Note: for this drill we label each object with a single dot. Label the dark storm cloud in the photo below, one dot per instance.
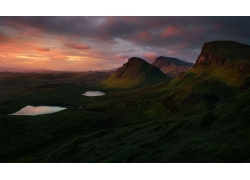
(175, 35)
(129, 27)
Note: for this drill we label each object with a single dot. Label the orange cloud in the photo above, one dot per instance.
(3, 38)
(58, 57)
(42, 49)
(122, 56)
(78, 46)
(31, 56)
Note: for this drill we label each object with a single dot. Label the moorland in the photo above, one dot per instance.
(197, 115)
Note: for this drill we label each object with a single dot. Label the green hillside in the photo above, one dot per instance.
(135, 73)
(228, 61)
(172, 66)
(216, 76)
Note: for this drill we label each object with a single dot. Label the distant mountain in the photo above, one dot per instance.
(25, 70)
(172, 66)
(135, 73)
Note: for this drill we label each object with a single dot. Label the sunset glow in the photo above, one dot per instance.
(102, 43)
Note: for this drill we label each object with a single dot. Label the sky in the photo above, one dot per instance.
(91, 43)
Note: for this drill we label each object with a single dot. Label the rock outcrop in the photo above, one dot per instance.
(223, 52)
(205, 59)
(227, 60)
(244, 68)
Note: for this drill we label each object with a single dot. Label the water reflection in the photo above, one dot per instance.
(35, 110)
(93, 93)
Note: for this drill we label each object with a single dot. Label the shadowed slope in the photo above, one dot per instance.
(220, 72)
(172, 66)
(135, 73)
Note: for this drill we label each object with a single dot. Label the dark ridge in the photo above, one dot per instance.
(135, 73)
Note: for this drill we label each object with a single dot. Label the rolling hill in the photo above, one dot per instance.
(172, 66)
(135, 73)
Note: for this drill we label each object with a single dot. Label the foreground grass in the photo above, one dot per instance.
(128, 125)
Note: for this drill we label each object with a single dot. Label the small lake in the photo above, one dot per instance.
(36, 110)
(93, 93)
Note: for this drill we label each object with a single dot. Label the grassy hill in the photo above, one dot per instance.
(228, 61)
(172, 66)
(216, 76)
(135, 73)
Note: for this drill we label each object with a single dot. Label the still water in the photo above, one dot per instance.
(93, 93)
(36, 110)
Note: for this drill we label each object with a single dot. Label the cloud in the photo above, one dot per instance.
(152, 29)
(144, 35)
(122, 56)
(58, 57)
(42, 49)
(114, 39)
(78, 46)
(31, 56)
(150, 56)
(3, 38)
(170, 31)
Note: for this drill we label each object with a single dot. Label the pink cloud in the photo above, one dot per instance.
(122, 56)
(145, 35)
(78, 46)
(151, 56)
(170, 31)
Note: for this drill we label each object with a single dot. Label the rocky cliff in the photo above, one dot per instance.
(227, 60)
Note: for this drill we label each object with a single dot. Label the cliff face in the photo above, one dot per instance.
(205, 59)
(244, 68)
(224, 52)
(227, 60)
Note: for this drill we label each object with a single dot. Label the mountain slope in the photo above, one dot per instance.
(135, 73)
(172, 66)
(219, 74)
(228, 61)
